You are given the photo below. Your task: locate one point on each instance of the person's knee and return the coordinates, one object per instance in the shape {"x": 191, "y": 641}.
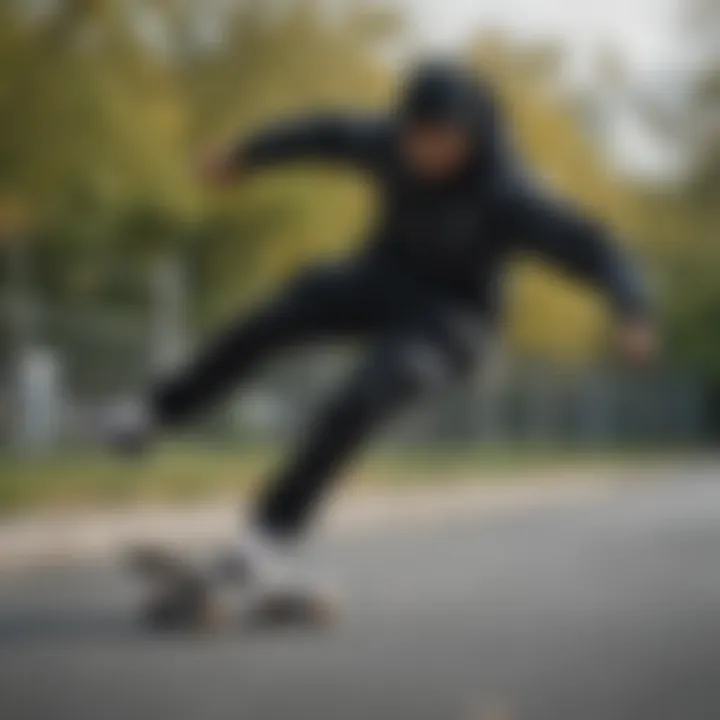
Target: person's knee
{"x": 425, "y": 366}
{"x": 400, "y": 376}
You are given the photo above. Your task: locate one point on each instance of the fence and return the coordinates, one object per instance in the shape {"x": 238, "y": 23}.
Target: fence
{"x": 52, "y": 392}
{"x": 62, "y": 364}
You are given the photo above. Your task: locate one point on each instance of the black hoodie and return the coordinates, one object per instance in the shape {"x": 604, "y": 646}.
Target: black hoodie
{"x": 456, "y": 236}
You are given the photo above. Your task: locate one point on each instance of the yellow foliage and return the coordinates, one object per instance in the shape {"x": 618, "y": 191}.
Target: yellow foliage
{"x": 95, "y": 119}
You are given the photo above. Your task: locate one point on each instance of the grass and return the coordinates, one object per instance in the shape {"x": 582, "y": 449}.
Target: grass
{"x": 186, "y": 473}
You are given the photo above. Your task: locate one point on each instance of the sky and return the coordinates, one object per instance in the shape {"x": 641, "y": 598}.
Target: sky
{"x": 643, "y": 30}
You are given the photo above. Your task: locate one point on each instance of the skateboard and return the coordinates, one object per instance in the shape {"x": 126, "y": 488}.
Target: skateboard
{"x": 181, "y": 597}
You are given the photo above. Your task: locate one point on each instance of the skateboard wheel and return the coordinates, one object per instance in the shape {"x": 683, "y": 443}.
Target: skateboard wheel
{"x": 188, "y": 606}
{"x": 295, "y": 610}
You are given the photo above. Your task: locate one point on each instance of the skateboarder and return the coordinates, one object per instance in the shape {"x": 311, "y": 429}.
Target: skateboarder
{"x": 422, "y": 293}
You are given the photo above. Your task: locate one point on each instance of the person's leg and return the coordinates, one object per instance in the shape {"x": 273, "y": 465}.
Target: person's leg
{"x": 324, "y": 303}
{"x": 396, "y": 373}
{"x": 228, "y": 359}
{"x": 435, "y": 345}
{"x": 330, "y": 301}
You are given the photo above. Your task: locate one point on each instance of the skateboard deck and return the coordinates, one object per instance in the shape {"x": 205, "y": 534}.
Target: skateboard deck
{"x": 180, "y": 597}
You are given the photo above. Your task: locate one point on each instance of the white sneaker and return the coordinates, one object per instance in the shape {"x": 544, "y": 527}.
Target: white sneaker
{"x": 276, "y": 588}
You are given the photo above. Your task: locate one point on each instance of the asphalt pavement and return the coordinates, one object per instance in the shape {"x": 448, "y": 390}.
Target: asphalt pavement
{"x": 603, "y": 608}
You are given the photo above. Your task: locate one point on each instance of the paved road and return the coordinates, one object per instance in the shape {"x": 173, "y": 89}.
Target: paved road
{"x": 606, "y": 608}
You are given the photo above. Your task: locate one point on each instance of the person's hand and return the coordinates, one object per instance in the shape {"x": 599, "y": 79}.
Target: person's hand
{"x": 219, "y": 169}
{"x": 637, "y": 341}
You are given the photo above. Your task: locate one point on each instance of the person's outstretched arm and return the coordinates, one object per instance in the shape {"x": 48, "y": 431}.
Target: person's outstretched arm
{"x": 563, "y": 236}
{"x": 330, "y": 138}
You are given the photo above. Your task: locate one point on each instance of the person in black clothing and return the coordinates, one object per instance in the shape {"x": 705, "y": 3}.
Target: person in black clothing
{"x": 423, "y": 293}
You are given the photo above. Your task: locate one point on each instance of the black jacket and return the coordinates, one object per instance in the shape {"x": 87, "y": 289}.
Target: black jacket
{"x": 457, "y": 236}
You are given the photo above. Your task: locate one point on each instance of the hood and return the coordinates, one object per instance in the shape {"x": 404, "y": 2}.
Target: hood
{"x": 446, "y": 92}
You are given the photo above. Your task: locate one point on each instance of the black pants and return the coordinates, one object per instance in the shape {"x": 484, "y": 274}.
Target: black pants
{"x": 416, "y": 339}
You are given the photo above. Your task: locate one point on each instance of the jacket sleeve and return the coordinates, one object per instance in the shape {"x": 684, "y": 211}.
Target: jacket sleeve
{"x": 561, "y": 235}
{"x": 333, "y": 138}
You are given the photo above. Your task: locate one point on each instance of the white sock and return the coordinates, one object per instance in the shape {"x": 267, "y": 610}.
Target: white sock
{"x": 275, "y": 568}
{"x": 271, "y": 560}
